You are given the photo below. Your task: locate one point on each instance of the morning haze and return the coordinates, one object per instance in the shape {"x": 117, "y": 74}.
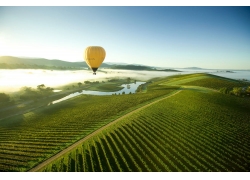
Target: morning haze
{"x": 124, "y": 89}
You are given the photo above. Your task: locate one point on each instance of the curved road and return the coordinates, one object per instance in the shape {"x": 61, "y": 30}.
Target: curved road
{"x": 39, "y": 166}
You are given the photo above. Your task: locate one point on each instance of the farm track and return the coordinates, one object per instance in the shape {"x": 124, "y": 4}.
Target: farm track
{"x": 41, "y": 165}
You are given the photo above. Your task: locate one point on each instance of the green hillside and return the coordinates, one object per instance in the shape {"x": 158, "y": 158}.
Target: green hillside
{"x": 192, "y": 131}
{"x": 9, "y": 62}
{"x": 187, "y": 125}
{"x": 216, "y": 82}
{"x": 34, "y": 136}
{"x": 205, "y": 80}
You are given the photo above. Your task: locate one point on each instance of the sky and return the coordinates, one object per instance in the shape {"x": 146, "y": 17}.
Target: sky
{"x": 162, "y": 36}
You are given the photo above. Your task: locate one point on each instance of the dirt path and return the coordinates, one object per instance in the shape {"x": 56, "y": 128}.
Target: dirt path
{"x": 38, "y": 167}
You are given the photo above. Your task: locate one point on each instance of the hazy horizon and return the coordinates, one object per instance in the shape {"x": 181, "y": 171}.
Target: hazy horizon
{"x": 124, "y": 63}
{"x": 168, "y": 36}
{"x": 32, "y": 78}
{"x": 56, "y": 78}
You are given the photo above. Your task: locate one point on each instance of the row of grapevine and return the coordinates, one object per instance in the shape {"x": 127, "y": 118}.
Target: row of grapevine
{"x": 33, "y": 137}
{"x": 216, "y": 83}
{"x": 171, "y": 136}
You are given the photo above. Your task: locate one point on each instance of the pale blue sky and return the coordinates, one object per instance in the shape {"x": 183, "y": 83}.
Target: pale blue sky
{"x": 207, "y": 37}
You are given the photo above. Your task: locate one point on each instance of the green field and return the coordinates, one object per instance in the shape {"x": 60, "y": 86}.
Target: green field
{"x": 29, "y": 139}
{"x": 197, "y": 129}
{"x": 204, "y": 80}
{"x": 17, "y": 105}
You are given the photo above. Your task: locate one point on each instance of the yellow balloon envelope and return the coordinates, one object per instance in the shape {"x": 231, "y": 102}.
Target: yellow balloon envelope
{"x": 94, "y": 56}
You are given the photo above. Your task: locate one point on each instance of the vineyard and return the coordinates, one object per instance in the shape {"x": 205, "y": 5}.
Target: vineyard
{"x": 205, "y": 80}
{"x": 197, "y": 129}
{"x": 190, "y": 131}
{"x": 27, "y": 140}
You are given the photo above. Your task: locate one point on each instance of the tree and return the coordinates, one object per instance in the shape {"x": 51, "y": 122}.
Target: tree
{"x": 28, "y": 93}
{"x": 43, "y": 91}
{"x": 41, "y": 87}
{"x": 79, "y": 84}
{"x": 86, "y": 82}
{"x": 248, "y": 90}
{"x": 237, "y": 91}
{"x": 225, "y": 90}
{"x": 128, "y": 80}
{"x": 123, "y": 92}
{"x": 4, "y": 98}
{"x": 139, "y": 88}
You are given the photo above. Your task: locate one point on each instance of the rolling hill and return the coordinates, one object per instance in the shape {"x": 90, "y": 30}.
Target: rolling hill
{"x": 182, "y": 123}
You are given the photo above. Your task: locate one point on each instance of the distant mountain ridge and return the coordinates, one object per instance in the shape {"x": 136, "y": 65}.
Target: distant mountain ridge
{"x": 116, "y": 63}
{"x": 132, "y": 67}
{"x": 192, "y": 68}
{"x": 10, "y": 62}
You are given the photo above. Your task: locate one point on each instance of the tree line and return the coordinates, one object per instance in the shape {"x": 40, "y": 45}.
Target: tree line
{"x": 28, "y": 93}
{"x": 237, "y": 91}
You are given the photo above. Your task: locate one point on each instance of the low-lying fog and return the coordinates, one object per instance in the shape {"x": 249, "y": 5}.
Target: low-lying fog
{"x": 13, "y": 80}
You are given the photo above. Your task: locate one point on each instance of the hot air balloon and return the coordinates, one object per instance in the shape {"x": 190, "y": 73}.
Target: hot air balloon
{"x": 94, "y": 56}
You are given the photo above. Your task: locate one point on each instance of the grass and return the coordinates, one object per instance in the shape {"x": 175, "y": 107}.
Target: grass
{"x": 105, "y": 87}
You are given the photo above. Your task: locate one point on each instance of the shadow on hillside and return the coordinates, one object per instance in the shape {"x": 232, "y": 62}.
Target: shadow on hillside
{"x": 195, "y": 89}
{"x": 12, "y": 122}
